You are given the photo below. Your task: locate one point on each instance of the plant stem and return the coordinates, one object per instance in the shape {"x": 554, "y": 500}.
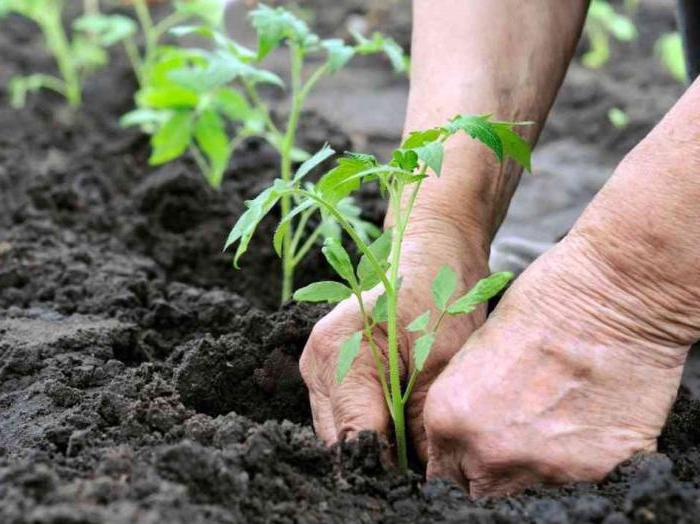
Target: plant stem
{"x": 149, "y": 35}
{"x": 297, "y": 58}
{"x": 57, "y": 41}
{"x": 392, "y": 331}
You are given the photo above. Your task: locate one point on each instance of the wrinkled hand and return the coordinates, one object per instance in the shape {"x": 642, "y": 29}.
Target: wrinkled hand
{"x": 571, "y": 375}
{"x": 341, "y": 410}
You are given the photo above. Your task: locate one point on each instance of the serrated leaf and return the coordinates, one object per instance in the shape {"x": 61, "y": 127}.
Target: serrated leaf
{"x": 444, "y": 286}
{"x": 513, "y": 144}
{"x": 339, "y": 260}
{"x": 232, "y": 103}
{"x": 383, "y": 44}
{"x": 322, "y": 154}
{"x": 339, "y": 182}
{"x": 421, "y": 350}
{"x": 172, "y": 139}
{"x": 339, "y": 53}
{"x": 210, "y": 134}
{"x": 418, "y": 138}
{"x": 210, "y": 11}
{"x": 366, "y": 272}
{"x": 327, "y": 291}
{"x": 245, "y": 227}
{"x": 108, "y": 29}
{"x": 380, "y": 311}
{"x": 482, "y": 292}
{"x": 347, "y": 354}
{"x": 420, "y": 322}
{"x": 274, "y": 25}
{"x": 431, "y": 153}
{"x": 479, "y": 128}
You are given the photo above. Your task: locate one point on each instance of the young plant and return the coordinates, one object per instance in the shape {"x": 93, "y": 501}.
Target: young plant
{"x": 400, "y": 179}
{"x": 75, "y": 57}
{"x": 210, "y": 13}
{"x": 602, "y": 23}
{"x": 194, "y": 98}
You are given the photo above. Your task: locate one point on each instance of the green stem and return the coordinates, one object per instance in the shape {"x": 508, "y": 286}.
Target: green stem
{"x": 57, "y": 41}
{"x": 308, "y": 244}
{"x": 297, "y": 58}
{"x": 305, "y": 216}
{"x": 379, "y": 365}
{"x": 392, "y": 333}
{"x": 149, "y": 35}
{"x": 132, "y": 54}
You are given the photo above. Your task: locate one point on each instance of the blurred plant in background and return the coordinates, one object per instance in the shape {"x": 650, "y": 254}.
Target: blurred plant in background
{"x": 76, "y": 56}
{"x": 602, "y": 24}
{"x": 669, "y": 49}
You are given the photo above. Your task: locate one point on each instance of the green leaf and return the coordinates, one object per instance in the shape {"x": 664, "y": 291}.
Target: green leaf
{"x": 172, "y": 139}
{"x": 210, "y": 134}
{"x": 421, "y": 350}
{"x": 420, "y": 322}
{"x": 232, "y": 103}
{"x": 108, "y": 29}
{"x": 171, "y": 97}
{"x": 322, "y": 154}
{"x": 444, "y": 286}
{"x": 513, "y": 145}
{"x": 210, "y": 11}
{"x": 338, "y": 182}
{"x": 339, "y": 260}
{"x": 479, "y": 128}
{"x": 274, "y": 25}
{"x": 339, "y": 53}
{"x": 382, "y": 44}
{"x": 380, "y": 311}
{"x": 366, "y": 272}
{"x": 669, "y": 48}
{"x": 618, "y": 117}
{"x": 247, "y": 223}
{"x": 419, "y": 138}
{"x": 144, "y": 117}
{"x": 431, "y": 153}
{"x": 327, "y": 291}
{"x": 87, "y": 54}
{"x": 483, "y": 291}
{"x": 348, "y": 352}
{"x": 405, "y": 159}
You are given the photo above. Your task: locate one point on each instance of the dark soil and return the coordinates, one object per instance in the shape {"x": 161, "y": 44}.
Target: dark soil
{"x": 143, "y": 380}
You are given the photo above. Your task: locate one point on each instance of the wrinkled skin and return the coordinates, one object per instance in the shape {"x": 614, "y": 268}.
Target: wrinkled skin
{"x": 578, "y": 366}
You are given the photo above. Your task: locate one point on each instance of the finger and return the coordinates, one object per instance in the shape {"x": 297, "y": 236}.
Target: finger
{"x": 358, "y": 403}
{"x": 446, "y": 464}
{"x": 322, "y": 414}
{"x": 414, "y": 415}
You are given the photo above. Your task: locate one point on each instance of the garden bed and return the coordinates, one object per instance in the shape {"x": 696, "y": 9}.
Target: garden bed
{"x": 144, "y": 380}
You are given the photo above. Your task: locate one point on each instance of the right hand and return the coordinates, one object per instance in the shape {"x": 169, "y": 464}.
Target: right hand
{"x": 341, "y": 410}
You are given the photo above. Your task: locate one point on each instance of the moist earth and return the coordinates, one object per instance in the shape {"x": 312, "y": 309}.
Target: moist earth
{"x": 143, "y": 380}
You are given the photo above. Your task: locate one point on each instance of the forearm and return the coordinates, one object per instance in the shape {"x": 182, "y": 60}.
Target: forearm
{"x": 503, "y": 57}
{"x": 645, "y": 222}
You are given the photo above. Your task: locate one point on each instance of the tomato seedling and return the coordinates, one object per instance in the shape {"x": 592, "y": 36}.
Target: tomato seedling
{"x": 194, "y": 98}
{"x": 379, "y": 265}
{"x": 76, "y": 57}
